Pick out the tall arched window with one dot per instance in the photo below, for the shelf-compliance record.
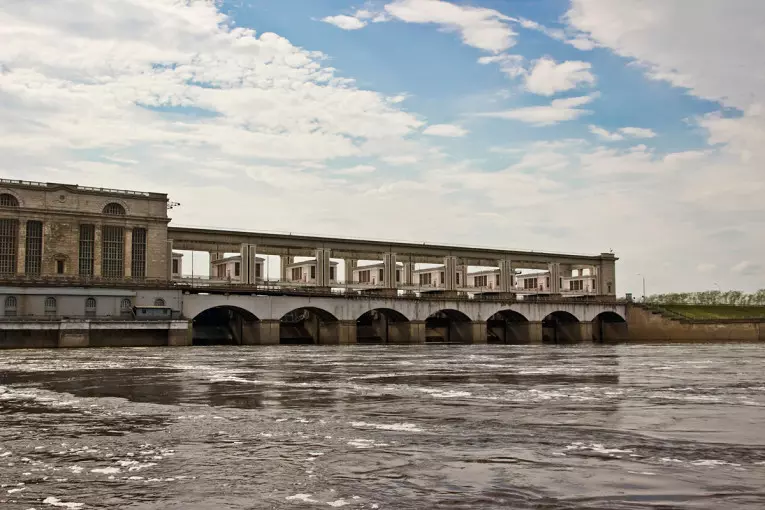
(126, 306)
(159, 302)
(90, 307)
(114, 209)
(10, 306)
(50, 306)
(8, 200)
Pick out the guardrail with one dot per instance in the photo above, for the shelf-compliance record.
(284, 288)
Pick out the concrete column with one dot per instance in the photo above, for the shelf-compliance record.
(505, 276)
(269, 332)
(535, 332)
(398, 332)
(407, 278)
(337, 333)
(607, 275)
(247, 268)
(585, 331)
(322, 267)
(350, 265)
(180, 336)
(21, 248)
(389, 271)
(450, 271)
(468, 332)
(214, 255)
(284, 261)
(417, 332)
(127, 257)
(98, 252)
(169, 267)
(554, 268)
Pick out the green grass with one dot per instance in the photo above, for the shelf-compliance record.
(716, 311)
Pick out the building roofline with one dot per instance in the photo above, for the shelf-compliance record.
(76, 188)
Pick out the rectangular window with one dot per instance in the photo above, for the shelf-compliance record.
(313, 272)
(87, 249)
(496, 280)
(426, 278)
(398, 276)
(443, 278)
(59, 267)
(364, 276)
(113, 252)
(9, 238)
(258, 270)
(332, 273)
(530, 283)
(138, 264)
(457, 278)
(380, 275)
(576, 285)
(33, 258)
(297, 274)
(175, 266)
(237, 268)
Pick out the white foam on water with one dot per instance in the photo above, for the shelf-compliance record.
(445, 393)
(365, 443)
(75, 469)
(399, 427)
(596, 448)
(338, 503)
(134, 465)
(18, 489)
(712, 463)
(106, 470)
(305, 498)
(50, 500)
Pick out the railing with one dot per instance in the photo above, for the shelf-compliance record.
(276, 287)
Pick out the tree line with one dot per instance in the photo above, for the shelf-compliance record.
(709, 297)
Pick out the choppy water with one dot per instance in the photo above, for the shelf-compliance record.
(384, 427)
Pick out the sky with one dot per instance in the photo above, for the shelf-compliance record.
(577, 126)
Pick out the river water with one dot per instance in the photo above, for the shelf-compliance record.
(372, 427)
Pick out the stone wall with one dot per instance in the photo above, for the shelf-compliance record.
(648, 327)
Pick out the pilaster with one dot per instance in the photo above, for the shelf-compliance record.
(389, 270)
(417, 333)
(450, 272)
(505, 275)
(127, 257)
(269, 332)
(98, 246)
(21, 248)
(322, 267)
(350, 265)
(535, 332)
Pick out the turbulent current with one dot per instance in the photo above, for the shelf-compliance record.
(383, 427)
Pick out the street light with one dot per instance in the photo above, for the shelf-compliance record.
(643, 285)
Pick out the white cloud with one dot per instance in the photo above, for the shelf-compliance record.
(548, 78)
(621, 133)
(345, 22)
(485, 29)
(706, 267)
(636, 132)
(708, 47)
(747, 268)
(605, 134)
(511, 65)
(448, 130)
(356, 170)
(559, 110)
(400, 160)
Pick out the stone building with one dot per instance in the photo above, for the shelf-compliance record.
(50, 230)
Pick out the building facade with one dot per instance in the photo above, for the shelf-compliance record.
(230, 269)
(50, 230)
(374, 274)
(305, 271)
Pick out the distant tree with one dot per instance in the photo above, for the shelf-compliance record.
(708, 297)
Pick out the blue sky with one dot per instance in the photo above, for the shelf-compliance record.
(559, 125)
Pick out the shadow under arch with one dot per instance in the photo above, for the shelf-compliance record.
(609, 327)
(224, 325)
(308, 325)
(561, 327)
(448, 326)
(508, 327)
(382, 326)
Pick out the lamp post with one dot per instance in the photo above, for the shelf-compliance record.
(643, 277)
